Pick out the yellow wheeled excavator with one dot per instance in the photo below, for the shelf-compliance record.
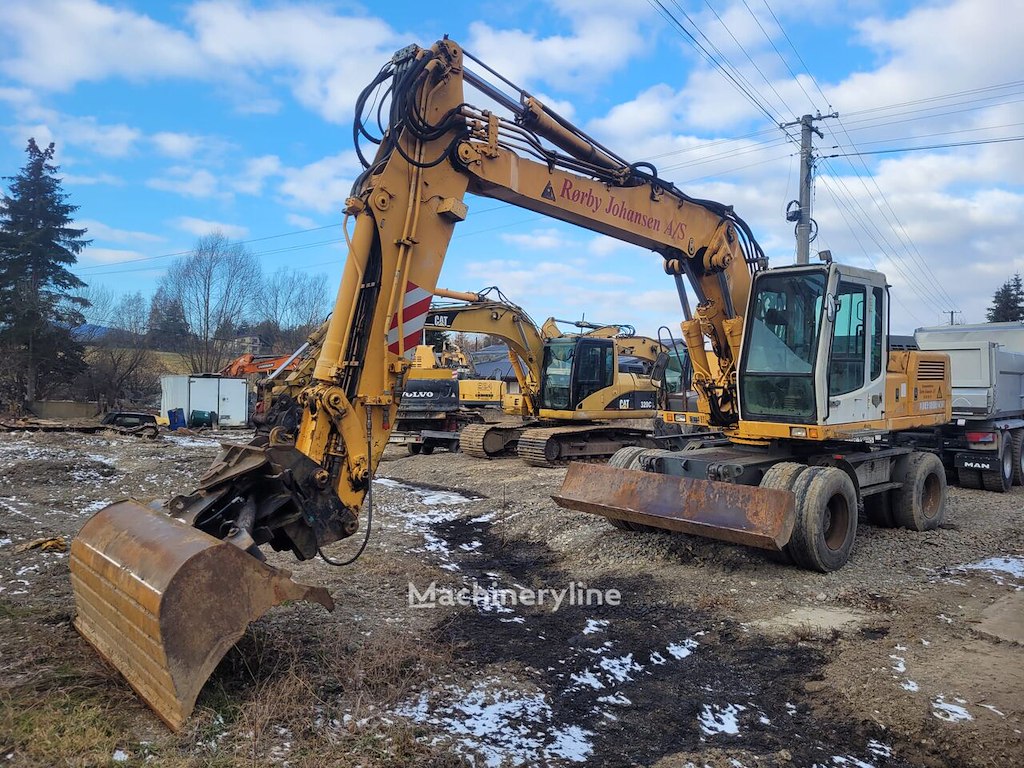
(163, 592)
(575, 399)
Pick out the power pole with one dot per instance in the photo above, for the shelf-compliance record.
(802, 215)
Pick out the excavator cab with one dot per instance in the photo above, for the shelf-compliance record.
(575, 368)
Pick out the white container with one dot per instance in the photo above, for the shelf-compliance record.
(229, 398)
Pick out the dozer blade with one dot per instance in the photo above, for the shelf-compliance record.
(741, 514)
(163, 602)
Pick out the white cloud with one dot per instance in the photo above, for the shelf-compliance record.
(60, 43)
(109, 255)
(604, 37)
(200, 227)
(100, 231)
(257, 170)
(187, 182)
(302, 222)
(177, 145)
(87, 180)
(323, 185)
(540, 240)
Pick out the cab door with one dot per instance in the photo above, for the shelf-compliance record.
(855, 369)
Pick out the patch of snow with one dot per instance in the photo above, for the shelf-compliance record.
(999, 568)
(901, 664)
(952, 713)
(878, 749)
(594, 626)
(4, 542)
(841, 760)
(715, 719)
(615, 698)
(430, 497)
(503, 727)
(119, 756)
(94, 507)
(620, 669)
(657, 658)
(910, 685)
(683, 649)
(586, 678)
(989, 706)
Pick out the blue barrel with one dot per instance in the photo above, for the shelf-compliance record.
(176, 418)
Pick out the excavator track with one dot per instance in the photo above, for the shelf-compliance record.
(557, 446)
(485, 441)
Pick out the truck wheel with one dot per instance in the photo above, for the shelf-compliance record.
(1001, 480)
(627, 458)
(1017, 451)
(414, 449)
(969, 478)
(878, 509)
(781, 477)
(428, 448)
(826, 519)
(921, 501)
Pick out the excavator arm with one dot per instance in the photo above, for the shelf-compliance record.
(135, 570)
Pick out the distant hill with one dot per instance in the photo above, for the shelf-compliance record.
(89, 332)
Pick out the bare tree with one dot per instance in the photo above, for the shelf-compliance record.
(216, 286)
(292, 304)
(122, 366)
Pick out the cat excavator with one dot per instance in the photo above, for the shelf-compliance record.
(163, 591)
(575, 400)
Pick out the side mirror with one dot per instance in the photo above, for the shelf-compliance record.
(831, 307)
(659, 368)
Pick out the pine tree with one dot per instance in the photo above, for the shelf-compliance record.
(1008, 301)
(37, 245)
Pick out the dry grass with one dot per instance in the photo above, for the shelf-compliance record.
(309, 694)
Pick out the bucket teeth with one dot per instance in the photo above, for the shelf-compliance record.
(163, 602)
(741, 514)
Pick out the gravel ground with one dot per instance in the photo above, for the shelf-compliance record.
(714, 655)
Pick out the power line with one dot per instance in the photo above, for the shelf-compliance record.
(678, 25)
(976, 142)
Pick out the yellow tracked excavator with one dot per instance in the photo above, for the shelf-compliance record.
(162, 593)
(576, 400)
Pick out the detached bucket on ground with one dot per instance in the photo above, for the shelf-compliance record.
(163, 602)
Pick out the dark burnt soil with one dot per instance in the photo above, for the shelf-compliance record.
(646, 679)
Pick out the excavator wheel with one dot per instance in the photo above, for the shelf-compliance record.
(163, 601)
(826, 519)
(921, 501)
(781, 477)
(627, 458)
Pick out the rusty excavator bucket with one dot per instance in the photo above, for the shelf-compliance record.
(163, 601)
(740, 514)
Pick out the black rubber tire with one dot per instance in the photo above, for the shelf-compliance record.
(1001, 480)
(627, 458)
(1017, 451)
(921, 501)
(414, 449)
(428, 448)
(781, 477)
(878, 508)
(826, 519)
(969, 478)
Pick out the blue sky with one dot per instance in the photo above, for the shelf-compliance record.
(175, 119)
